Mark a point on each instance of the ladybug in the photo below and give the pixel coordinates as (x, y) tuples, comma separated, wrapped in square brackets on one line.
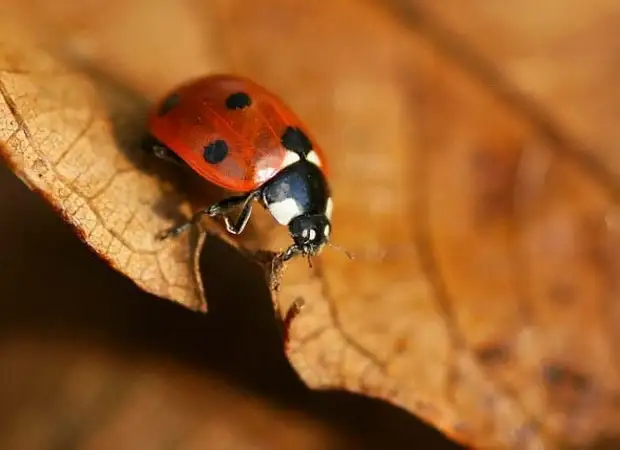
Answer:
[(243, 138)]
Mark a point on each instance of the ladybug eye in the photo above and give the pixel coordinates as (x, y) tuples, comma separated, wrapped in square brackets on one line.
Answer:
[(309, 234)]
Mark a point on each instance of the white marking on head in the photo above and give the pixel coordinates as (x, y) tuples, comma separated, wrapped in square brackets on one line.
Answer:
[(329, 208), (313, 157), (289, 158), (326, 230), (312, 234), (285, 210)]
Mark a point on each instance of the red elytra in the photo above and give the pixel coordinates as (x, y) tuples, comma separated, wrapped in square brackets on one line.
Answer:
[(250, 119), (243, 138)]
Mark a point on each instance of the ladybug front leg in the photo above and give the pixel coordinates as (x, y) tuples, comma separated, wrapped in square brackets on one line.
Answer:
[(220, 208), (291, 252), (223, 207)]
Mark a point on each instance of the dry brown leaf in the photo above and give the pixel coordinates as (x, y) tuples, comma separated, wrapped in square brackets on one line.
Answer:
[(56, 135), (485, 223)]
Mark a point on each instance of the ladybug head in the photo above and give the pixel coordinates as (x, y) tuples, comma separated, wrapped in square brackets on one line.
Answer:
[(310, 233)]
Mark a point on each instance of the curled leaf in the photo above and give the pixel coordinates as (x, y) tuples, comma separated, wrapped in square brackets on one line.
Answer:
[(58, 138)]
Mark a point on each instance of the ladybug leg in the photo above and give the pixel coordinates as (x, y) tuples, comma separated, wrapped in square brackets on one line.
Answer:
[(167, 155), (225, 205), (159, 150), (220, 208), (291, 252)]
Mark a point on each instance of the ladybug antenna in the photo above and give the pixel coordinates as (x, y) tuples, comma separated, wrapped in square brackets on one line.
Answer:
[(350, 255), (309, 261)]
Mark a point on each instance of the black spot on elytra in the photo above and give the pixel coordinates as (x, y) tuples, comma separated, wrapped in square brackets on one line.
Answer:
[(238, 100), (168, 104), (215, 152), (295, 140)]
